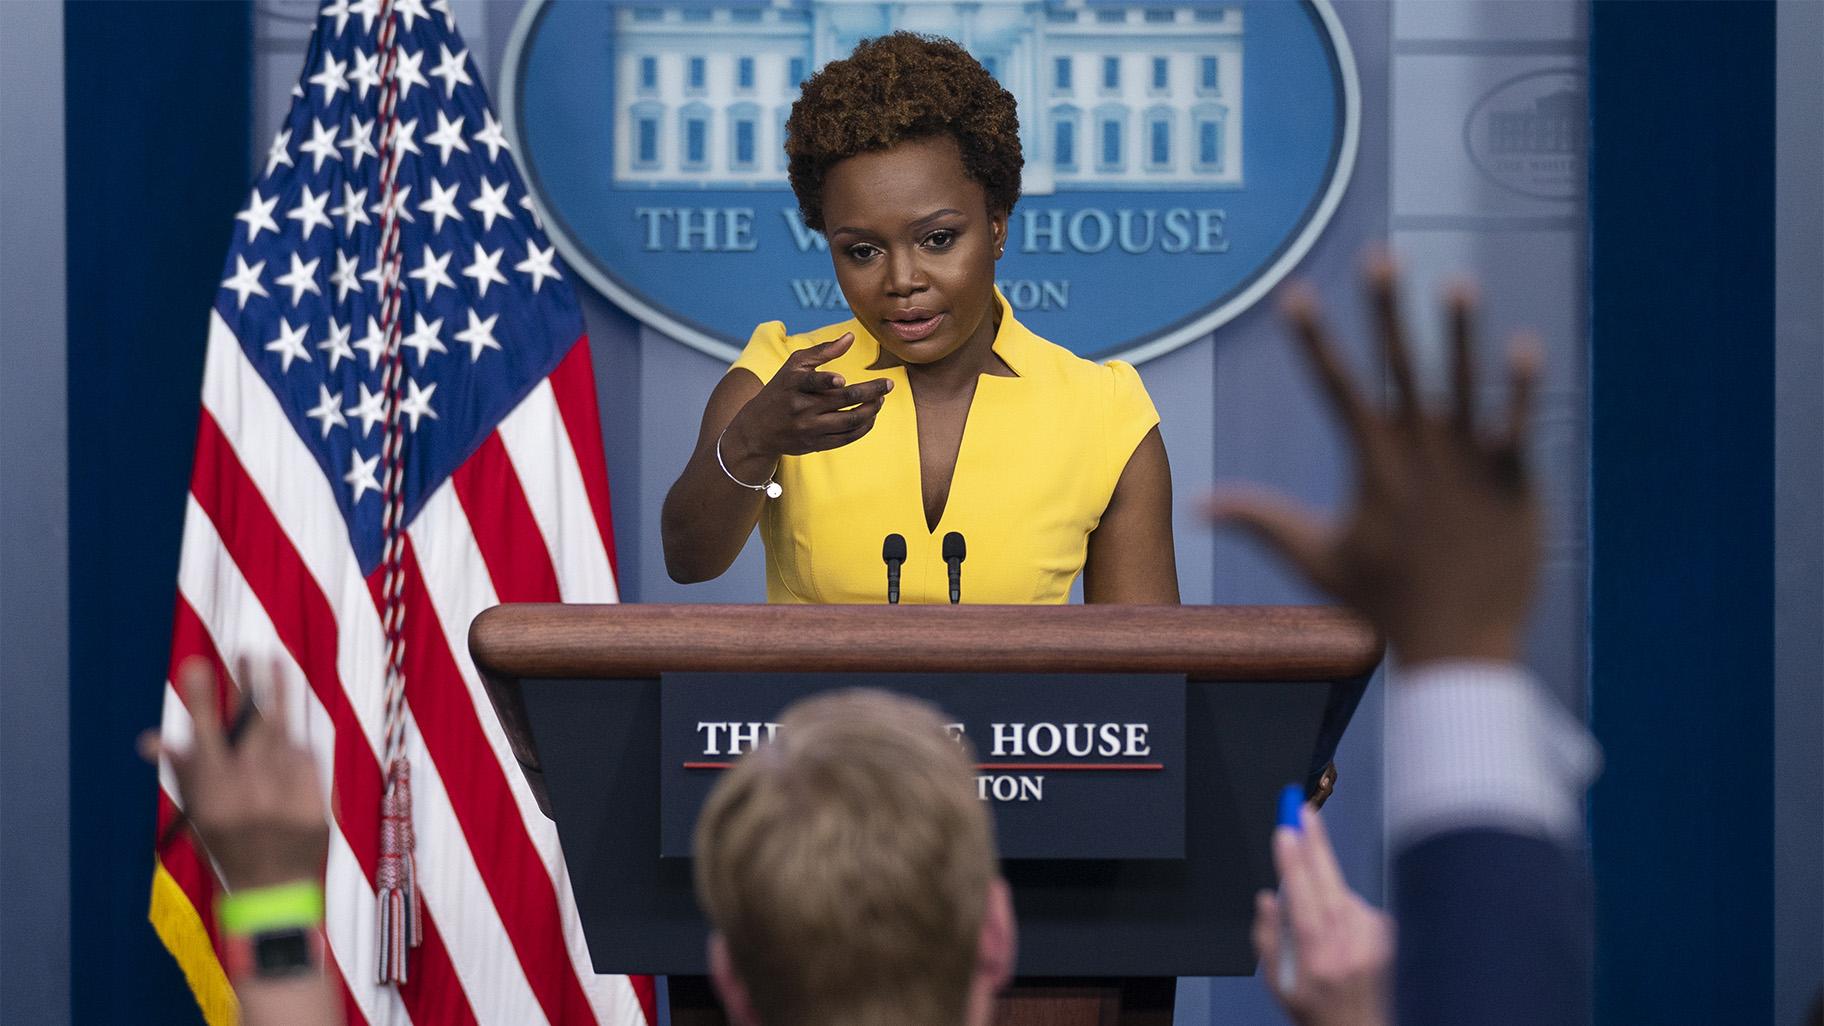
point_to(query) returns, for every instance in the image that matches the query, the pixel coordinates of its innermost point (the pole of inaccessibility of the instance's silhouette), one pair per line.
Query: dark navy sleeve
(1494, 929)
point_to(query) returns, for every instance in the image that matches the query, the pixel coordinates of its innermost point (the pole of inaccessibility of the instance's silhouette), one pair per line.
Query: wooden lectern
(1269, 692)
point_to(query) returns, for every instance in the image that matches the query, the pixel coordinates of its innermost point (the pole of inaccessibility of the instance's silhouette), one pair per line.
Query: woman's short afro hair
(898, 87)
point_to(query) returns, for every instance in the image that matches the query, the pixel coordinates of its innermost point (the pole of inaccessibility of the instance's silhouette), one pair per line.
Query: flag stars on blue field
(309, 212)
(351, 211)
(407, 71)
(442, 204)
(485, 269)
(447, 138)
(258, 215)
(373, 344)
(473, 261)
(410, 11)
(400, 199)
(375, 275)
(451, 70)
(359, 142)
(417, 402)
(407, 142)
(479, 335)
(279, 153)
(328, 410)
(492, 135)
(366, 73)
(301, 278)
(360, 474)
(290, 344)
(335, 344)
(490, 204)
(539, 264)
(425, 338)
(245, 280)
(332, 78)
(344, 278)
(321, 145)
(340, 10)
(371, 409)
(433, 270)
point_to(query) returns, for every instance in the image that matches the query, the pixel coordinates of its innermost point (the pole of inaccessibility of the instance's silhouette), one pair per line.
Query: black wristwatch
(273, 954)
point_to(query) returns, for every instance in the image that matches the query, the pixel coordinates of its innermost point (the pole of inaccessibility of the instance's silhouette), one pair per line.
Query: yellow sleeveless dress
(1039, 460)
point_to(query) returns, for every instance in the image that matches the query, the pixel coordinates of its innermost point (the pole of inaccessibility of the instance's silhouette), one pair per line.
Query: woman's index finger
(824, 352)
(801, 367)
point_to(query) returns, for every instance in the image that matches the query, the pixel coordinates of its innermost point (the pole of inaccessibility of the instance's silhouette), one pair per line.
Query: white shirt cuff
(1476, 745)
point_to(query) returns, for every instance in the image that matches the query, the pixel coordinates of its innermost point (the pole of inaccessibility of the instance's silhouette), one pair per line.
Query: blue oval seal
(1181, 157)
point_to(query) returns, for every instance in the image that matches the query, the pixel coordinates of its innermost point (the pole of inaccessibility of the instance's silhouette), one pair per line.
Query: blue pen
(1291, 802)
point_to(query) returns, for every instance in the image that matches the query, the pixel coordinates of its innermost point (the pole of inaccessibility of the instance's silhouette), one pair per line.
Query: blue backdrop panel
(157, 135)
(1681, 596)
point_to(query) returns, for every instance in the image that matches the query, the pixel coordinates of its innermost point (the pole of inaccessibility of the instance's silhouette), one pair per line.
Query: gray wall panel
(34, 524)
(1798, 768)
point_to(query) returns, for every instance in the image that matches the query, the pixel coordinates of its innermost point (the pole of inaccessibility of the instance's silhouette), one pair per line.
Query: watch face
(283, 953)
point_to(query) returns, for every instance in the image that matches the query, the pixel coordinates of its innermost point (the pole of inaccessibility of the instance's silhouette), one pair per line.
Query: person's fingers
(1300, 308)
(817, 355)
(147, 746)
(1266, 930)
(1298, 533)
(848, 425)
(196, 683)
(860, 392)
(1297, 888)
(1461, 304)
(1383, 280)
(247, 728)
(847, 417)
(152, 748)
(821, 381)
(276, 710)
(1525, 359)
(1326, 876)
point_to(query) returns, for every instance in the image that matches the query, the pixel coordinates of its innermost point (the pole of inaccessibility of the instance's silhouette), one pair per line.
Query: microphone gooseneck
(893, 551)
(954, 552)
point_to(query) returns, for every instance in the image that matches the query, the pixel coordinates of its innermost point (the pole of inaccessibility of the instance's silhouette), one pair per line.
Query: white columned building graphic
(1111, 95)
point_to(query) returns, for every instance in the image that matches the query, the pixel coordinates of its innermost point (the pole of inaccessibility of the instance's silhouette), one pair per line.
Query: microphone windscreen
(953, 547)
(893, 550)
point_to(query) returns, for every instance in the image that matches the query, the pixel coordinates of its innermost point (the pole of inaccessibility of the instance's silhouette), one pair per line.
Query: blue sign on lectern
(1181, 156)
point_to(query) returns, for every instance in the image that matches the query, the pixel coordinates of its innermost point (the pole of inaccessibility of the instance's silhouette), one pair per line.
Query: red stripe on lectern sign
(1052, 767)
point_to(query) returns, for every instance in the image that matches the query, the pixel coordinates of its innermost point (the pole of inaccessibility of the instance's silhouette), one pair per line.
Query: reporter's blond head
(848, 870)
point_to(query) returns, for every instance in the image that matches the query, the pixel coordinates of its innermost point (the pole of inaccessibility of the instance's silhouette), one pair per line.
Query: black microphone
(954, 551)
(893, 550)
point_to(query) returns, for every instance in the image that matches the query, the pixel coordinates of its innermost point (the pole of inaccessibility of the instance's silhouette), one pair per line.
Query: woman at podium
(931, 426)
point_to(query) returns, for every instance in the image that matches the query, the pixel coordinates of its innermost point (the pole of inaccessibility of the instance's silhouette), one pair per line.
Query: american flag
(399, 430)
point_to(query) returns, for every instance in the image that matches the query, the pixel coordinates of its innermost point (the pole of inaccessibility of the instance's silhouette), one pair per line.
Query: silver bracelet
(771, 487)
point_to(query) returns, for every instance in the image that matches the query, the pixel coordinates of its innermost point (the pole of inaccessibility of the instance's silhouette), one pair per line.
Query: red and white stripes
(267, 568)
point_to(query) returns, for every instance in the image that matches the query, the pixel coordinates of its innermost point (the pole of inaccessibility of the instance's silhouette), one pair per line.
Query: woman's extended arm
(1131, 558)
(707, 517)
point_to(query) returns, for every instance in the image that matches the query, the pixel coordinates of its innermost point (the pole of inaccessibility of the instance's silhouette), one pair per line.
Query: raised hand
(803, 409)
(253, 801)
(1439, 544)
(1344, 945)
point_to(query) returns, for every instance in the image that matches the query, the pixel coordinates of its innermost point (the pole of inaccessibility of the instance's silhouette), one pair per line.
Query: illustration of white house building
(1111, 95)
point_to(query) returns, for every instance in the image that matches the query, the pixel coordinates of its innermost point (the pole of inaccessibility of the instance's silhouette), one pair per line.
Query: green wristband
(261, 909)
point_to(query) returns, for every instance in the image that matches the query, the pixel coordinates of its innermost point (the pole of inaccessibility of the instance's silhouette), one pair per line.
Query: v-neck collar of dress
(1014, 344)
